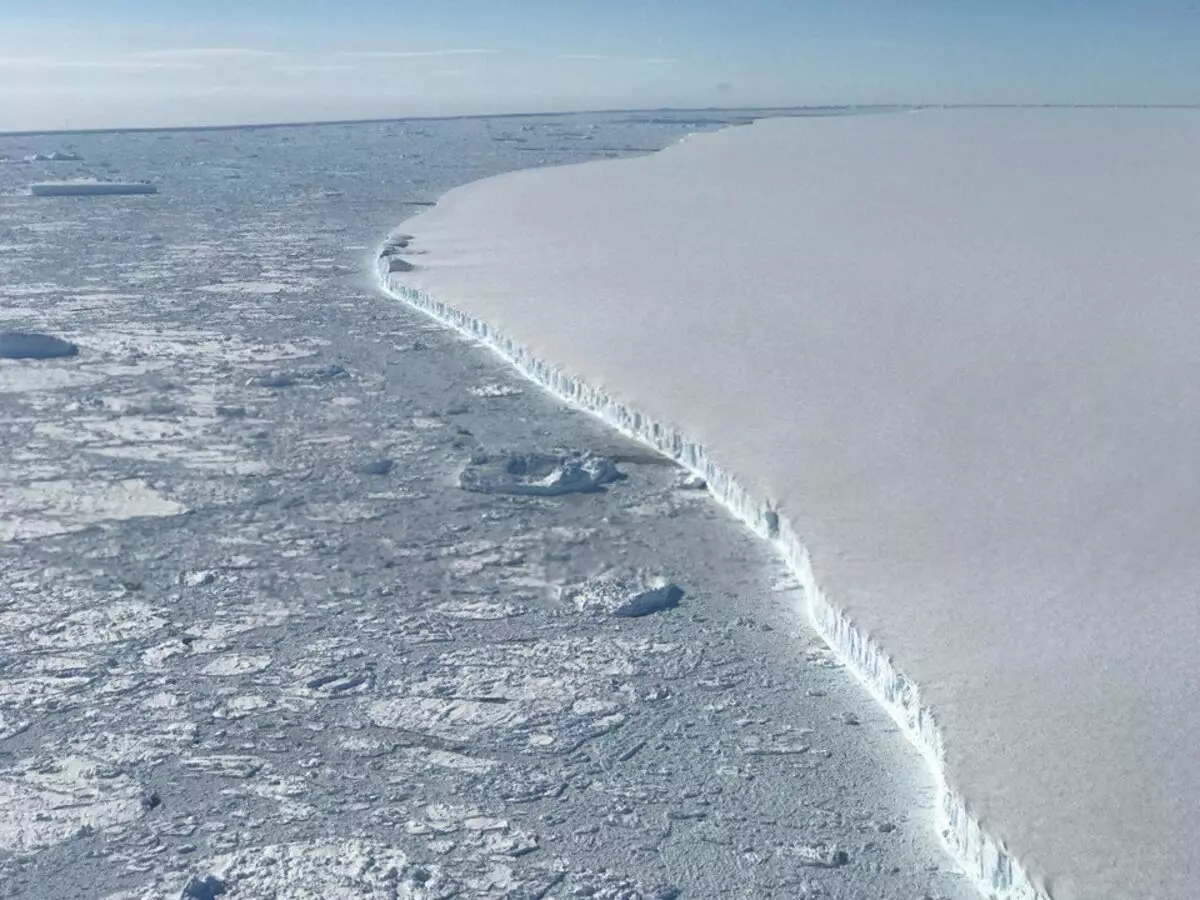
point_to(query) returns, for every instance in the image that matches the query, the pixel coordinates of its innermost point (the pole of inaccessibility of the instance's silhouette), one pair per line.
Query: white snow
(950, 359)
(60, 506)
(48, 802)
(341, 870)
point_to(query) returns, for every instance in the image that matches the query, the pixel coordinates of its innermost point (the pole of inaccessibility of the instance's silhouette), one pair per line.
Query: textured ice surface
(57, 506)
(190, 701)
(346, 870)
(952, 355)
(537, 474)
(626, 595)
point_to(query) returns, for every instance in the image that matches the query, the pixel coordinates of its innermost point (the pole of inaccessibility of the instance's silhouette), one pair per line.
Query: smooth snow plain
(947, 360)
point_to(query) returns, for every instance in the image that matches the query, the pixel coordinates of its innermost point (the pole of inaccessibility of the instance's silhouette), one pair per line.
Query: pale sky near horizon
(125, 63)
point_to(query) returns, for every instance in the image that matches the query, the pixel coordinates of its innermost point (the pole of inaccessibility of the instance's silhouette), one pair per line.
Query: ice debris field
(947, 362)
(304, 596)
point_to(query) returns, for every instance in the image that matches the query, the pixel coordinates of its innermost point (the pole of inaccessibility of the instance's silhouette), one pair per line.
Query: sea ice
(30, 345)
(947, 361)
(627, 596)
(54, 156)
(60, 506)
(537, 474)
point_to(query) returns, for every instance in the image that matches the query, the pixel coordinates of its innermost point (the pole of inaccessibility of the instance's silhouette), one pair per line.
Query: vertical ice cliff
(998, 874)
(953, 355)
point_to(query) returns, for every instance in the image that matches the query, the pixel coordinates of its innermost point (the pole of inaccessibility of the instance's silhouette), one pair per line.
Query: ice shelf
(946, 362)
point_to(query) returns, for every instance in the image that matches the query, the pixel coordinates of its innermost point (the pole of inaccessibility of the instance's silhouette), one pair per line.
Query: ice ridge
(993, 868)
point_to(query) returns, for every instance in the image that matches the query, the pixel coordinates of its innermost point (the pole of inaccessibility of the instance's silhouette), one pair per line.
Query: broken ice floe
(517, 686)
(288, 378)
(244, 287)
(492, 391)
(47, 802)
(302, 871)
(53, 156)
(380, 466)
(538, 474)
(626, 595)
(208, 887)
(45, 508)
(821, 856)
(32, 345)
(691, 481)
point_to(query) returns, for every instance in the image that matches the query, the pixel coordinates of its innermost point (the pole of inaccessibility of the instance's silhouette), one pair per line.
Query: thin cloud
(418, 54)
(302, 68)
(626, 60)
(206, 53)
(49, 63)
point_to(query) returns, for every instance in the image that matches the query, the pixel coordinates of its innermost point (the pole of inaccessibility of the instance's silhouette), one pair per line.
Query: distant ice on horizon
(957, 351)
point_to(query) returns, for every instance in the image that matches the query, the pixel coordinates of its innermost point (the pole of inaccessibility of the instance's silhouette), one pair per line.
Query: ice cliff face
(994, 869)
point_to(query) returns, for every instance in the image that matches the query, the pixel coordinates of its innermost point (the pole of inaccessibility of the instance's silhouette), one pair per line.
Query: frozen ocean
(302, 595)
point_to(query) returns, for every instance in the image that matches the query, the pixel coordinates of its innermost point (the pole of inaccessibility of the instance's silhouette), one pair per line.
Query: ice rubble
(983, 427)
(537, 474)
(626, 595)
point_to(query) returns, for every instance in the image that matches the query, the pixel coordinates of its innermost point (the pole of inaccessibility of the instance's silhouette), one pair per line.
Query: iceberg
(946, 363)
(54, 156)
(32, 345)
(90, 188)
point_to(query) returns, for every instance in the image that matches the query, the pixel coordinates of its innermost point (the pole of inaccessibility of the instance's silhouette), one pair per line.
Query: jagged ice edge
(996, 872)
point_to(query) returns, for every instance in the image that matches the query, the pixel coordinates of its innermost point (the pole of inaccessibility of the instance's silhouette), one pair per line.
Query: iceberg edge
(994, 869)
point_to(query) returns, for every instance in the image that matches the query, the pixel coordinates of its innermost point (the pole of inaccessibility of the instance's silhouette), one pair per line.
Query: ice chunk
(30, 345)
(380, 466)
(54, 156)
(85, 187)
(538, 474)
(207, 888)
(628, 596)
(89, 188)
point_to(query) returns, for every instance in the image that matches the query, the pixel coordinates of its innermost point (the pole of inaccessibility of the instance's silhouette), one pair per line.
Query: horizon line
(382, 120)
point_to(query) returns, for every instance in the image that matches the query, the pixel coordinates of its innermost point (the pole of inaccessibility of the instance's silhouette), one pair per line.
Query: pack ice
(947, 361)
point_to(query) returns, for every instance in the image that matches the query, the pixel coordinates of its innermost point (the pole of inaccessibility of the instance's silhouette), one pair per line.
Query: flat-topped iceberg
(947, 361)
(32, 345)
(88, 188)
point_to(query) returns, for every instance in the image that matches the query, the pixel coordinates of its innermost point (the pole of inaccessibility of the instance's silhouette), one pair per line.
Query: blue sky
(108, 63)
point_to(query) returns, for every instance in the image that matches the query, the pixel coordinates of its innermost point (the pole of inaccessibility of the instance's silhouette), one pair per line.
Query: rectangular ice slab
(90, 188)
(951, 359)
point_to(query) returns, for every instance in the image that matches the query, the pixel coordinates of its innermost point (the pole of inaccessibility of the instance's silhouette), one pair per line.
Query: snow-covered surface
(952, 356)
(336, 673)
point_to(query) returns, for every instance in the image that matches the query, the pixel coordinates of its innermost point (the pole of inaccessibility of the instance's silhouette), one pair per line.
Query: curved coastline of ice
(982, 857)
(954, 354)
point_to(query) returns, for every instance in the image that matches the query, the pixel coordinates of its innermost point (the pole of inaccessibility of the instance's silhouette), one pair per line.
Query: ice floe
(30, 345)
(537, 474)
